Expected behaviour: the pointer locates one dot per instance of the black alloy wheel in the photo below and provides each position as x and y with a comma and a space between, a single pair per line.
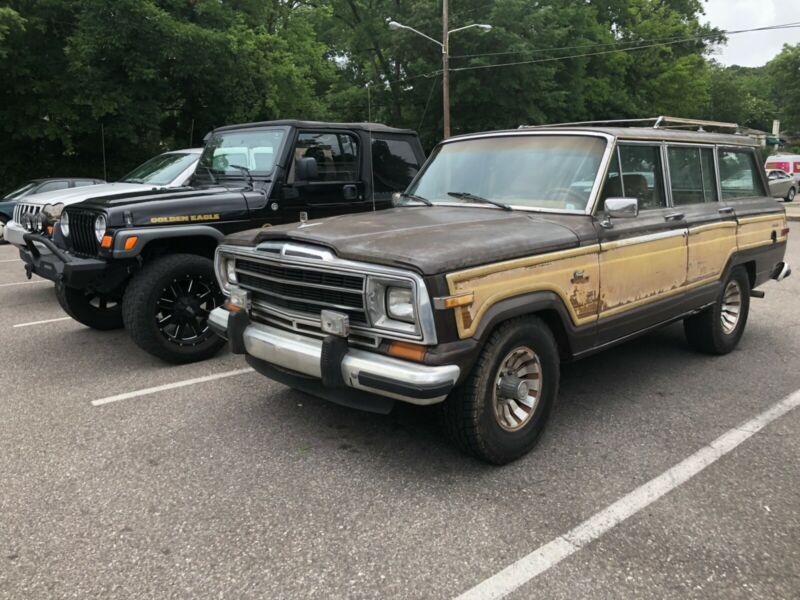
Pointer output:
183, 308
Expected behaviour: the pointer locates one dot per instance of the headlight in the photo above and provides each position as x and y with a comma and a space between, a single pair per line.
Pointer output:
230, 270
38, 222
53, 211
64, 224
100, 227
400, 303
391, 304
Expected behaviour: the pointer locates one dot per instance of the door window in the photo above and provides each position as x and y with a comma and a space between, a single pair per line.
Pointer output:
641, 176
691, 172
52, 185
394, 165
739, 175
336, 154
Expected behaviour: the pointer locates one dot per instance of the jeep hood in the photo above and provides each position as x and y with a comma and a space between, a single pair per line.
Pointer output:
427, 239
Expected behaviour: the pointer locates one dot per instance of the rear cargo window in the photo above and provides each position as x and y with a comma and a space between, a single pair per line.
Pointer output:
739, 175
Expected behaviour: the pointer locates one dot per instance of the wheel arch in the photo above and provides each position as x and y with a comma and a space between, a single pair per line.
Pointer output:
546, 305
200, 240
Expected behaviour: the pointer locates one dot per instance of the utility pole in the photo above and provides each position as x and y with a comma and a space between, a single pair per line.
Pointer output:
446, 69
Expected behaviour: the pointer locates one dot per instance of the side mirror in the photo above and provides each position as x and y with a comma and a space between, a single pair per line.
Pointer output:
619, 208
306, 169
622, 208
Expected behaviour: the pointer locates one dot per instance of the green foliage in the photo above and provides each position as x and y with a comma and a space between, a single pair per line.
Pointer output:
158, 74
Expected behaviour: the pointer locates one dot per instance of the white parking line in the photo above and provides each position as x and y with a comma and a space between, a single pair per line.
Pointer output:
25, 282
10, 260
41, 322
168, 386
552, 553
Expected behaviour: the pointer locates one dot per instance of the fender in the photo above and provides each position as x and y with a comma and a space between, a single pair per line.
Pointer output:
149, 234
572, 339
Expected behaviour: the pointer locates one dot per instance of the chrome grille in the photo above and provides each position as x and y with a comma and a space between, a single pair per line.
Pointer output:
302, 290
81, 232
22, 209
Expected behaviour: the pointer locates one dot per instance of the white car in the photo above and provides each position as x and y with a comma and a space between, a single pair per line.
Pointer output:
168, 170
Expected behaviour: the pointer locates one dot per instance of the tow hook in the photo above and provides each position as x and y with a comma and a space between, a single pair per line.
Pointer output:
28, 271
757, 293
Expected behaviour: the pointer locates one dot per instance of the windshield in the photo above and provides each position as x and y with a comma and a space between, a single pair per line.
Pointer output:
554, 172
253, 150
161, 169
20, 191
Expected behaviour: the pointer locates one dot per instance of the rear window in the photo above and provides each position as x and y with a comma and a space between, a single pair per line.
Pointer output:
740, 176
394, 165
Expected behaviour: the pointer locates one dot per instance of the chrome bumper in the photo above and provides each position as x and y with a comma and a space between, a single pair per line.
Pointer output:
782, 271
361, 370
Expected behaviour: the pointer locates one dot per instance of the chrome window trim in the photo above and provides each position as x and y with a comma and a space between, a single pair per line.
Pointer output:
643, 239
326, 261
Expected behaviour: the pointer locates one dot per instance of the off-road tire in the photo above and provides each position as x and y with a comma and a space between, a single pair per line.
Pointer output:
77, 304
139, 307
468, 414
791, 194
705, 332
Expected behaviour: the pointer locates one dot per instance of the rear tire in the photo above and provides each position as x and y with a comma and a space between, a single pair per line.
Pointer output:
792, 193
90, 308
166, 307
718, 329
485, 417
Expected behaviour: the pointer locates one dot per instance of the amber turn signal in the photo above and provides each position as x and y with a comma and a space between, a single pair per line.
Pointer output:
408, 351
106, 243
131, 242
453, 301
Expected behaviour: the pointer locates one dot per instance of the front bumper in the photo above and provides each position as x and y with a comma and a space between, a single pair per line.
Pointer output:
58, 265
14, 233
304, 358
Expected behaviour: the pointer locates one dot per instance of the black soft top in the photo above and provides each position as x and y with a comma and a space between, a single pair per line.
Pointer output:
374, 127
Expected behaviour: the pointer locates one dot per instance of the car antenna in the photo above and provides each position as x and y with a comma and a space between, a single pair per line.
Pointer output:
371, 155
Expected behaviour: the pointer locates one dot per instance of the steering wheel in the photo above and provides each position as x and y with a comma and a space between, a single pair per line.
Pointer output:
557, 193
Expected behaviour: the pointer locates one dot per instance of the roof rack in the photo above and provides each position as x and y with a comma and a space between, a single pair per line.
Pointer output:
654, 122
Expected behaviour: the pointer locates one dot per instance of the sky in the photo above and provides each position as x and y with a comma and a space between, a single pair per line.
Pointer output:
757, 48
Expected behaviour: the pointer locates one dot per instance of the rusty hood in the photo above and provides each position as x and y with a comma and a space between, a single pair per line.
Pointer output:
427, 239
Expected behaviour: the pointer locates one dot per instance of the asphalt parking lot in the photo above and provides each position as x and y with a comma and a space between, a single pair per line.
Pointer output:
237, 487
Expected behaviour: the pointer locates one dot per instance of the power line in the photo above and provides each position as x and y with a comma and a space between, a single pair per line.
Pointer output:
600, 53
617, 44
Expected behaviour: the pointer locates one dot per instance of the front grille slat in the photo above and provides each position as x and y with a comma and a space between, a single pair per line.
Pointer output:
81, 229
303, 291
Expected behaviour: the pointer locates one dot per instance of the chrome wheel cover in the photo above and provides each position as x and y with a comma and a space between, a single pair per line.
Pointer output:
522, 367
731, 308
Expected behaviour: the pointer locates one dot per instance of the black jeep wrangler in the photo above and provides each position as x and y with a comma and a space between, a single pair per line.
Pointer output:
145, 261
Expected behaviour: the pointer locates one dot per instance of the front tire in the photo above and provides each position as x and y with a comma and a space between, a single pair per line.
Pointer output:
717, 330
499, 412
94, 310
166, 308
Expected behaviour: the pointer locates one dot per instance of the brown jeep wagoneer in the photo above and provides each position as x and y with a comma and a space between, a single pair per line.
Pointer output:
510, 252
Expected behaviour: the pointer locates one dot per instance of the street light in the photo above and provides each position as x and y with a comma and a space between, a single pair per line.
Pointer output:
445, 46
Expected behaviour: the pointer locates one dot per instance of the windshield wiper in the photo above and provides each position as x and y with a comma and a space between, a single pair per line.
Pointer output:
425, 201
246, 171
475, 198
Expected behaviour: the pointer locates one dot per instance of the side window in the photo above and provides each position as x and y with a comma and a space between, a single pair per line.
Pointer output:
52, 185
613, 185
642, 175
691, 172
394, 165
336, 154
739, 175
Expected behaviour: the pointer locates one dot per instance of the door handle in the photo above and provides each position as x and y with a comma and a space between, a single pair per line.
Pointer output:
674, 217
726, 210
